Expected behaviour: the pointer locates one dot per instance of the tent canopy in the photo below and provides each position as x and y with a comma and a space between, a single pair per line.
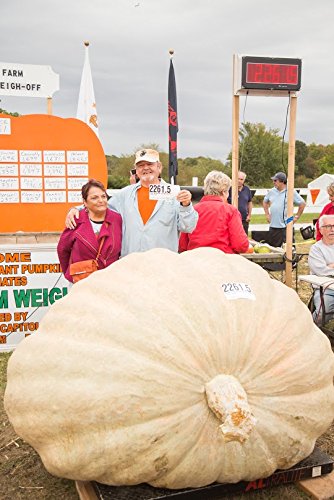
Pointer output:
317, 195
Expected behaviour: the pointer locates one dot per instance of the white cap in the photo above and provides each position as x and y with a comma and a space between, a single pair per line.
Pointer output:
150, 155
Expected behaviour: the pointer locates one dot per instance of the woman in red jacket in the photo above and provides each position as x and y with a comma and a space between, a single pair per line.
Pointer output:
328, 209
219, 224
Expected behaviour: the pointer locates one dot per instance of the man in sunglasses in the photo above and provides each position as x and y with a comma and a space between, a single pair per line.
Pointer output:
321, 263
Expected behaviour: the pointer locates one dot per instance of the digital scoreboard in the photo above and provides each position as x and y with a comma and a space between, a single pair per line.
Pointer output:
266, 75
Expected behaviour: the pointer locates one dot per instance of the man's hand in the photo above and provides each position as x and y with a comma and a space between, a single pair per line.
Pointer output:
70, 222
184, 197
268, 217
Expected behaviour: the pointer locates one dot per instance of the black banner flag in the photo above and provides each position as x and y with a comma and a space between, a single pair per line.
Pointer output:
172, 124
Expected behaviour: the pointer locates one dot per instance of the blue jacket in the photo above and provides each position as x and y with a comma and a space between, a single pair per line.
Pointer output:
160, 231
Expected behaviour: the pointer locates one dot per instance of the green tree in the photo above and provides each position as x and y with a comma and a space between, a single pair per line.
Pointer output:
198, 167
260, 153
119, 168
301, 153
311, 168
316, 151
4, 112
326, 163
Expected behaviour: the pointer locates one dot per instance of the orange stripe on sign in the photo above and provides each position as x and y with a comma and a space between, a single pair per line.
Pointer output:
314, 194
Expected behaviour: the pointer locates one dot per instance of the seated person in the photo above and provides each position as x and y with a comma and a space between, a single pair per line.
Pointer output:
321, 263
219, 224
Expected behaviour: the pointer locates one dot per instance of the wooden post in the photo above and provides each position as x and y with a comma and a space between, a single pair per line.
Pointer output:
49, 105
290, 189
235, 149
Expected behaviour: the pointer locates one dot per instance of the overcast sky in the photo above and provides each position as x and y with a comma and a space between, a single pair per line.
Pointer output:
129, 43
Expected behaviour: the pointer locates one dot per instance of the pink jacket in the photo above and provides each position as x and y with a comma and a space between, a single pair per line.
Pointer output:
219, 225
81, 243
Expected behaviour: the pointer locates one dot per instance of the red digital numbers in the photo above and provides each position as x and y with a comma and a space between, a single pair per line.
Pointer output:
284, 74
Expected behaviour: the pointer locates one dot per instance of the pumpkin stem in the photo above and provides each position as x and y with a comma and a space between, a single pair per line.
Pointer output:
228, 401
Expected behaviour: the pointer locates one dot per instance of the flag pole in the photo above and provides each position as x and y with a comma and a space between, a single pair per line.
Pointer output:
86, 110
172, 122
171, 54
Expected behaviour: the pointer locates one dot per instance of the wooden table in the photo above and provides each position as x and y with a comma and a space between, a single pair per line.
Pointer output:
271, 262
318, 281
275, 256
274, 260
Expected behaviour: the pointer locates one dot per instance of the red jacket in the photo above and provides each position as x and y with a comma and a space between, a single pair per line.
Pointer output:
327, 210
82, 244
219, 226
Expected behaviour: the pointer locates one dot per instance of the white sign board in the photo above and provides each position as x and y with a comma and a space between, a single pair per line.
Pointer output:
163, 191
27, 80
30, 282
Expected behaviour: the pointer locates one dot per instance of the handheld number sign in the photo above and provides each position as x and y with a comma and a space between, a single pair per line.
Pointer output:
163, 191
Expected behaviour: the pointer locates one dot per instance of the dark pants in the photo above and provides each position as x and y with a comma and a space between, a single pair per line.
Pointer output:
277, 236
245, 225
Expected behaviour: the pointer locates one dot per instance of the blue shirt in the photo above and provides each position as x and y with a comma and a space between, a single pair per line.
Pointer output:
244, 197
278, 205
160, 231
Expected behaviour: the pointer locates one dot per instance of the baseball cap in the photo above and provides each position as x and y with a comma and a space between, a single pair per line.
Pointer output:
150, 155
279, 176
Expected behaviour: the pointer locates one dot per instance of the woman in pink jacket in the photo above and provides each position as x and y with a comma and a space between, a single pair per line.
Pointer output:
219, 224
97, 221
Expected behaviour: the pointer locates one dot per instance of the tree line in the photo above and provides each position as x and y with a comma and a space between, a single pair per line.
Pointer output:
262, 152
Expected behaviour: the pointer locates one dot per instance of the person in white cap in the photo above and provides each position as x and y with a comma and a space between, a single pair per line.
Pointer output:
148, 223
276, 200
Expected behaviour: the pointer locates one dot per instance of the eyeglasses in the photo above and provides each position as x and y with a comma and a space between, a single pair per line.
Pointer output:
328, 226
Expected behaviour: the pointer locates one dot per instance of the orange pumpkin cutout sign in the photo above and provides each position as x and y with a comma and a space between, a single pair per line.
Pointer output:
44, 161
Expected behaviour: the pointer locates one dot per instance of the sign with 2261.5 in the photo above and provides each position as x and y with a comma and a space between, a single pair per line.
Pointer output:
27, 80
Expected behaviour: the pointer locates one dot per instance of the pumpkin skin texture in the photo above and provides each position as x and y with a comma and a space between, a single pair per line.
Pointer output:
131, 375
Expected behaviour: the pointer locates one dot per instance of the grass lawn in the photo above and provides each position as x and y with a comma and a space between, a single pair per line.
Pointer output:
305, 218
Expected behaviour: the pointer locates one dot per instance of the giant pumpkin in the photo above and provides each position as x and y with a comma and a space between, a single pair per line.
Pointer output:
175, 370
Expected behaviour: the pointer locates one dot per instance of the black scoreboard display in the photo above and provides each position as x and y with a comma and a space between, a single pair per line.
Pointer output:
270, 73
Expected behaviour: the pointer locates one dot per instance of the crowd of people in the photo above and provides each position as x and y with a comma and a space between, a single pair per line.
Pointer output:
134, 222
130, 221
